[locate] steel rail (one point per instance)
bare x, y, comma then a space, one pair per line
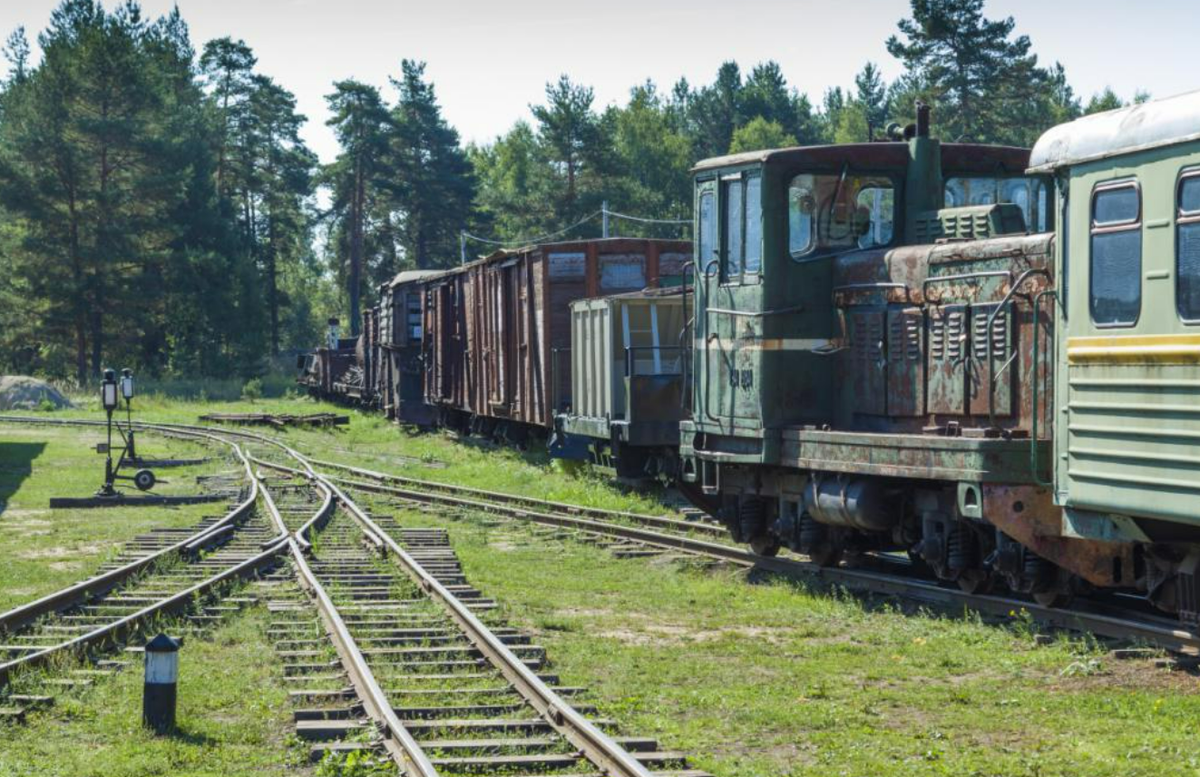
593, 744
126, 624
499, 496
397, 741
1164, 635
88, 589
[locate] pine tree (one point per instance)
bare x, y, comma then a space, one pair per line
433, 187
362, 125
975, 74
568, 127
871, 94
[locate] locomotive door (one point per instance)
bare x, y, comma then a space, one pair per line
1132, 345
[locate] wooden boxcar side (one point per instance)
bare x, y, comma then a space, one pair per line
497, 327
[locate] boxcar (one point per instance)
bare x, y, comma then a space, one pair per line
494, 325
627, 383
401, 337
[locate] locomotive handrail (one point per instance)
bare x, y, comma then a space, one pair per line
688, 322
1033, 444
991, 321
755, 313
965, 277
708, 339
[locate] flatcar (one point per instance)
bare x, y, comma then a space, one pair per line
1009, 391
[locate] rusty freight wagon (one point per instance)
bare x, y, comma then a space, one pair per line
493, 326
401, 337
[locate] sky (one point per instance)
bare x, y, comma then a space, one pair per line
489, 60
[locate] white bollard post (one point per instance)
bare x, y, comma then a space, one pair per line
162, 674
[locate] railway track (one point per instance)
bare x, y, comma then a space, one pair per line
668, 535
160, 573
435, 680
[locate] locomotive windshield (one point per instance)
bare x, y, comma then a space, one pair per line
839, 212
1029, 194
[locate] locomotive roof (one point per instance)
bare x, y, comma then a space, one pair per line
1152, 124
956, 157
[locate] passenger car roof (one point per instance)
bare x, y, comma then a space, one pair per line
1152, 124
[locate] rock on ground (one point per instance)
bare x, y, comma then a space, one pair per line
19, 392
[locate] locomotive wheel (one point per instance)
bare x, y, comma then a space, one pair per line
765, 545
975, 581
1052, 598
825, 555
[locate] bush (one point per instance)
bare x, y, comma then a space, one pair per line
252, 390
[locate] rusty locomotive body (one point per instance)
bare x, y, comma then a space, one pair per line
926, 356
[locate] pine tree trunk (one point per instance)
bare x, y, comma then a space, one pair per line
356, 247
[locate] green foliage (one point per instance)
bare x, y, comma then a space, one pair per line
154, 204
253, 390
760, 133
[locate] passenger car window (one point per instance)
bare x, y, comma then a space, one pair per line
1115, 276
839, 212
1187, 250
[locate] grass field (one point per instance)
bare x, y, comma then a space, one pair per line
752, 677
45, 550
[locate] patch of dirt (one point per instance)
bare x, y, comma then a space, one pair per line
58, 551
662, 634
20, 392
20, 513
1128, 674
65, 566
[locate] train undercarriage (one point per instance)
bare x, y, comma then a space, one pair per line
982, 537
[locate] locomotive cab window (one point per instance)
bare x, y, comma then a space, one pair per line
706, 233
1115, 270
1030, 194
741, 227
1187, 249
839, 212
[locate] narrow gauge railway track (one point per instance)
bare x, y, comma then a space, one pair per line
1104, 620
161, 573
473, 699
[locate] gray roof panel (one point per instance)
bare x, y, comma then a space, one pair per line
1152, 124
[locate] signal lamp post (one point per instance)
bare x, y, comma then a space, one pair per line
110, 393
108, 398
127, 392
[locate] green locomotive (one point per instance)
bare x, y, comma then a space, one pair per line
986, 358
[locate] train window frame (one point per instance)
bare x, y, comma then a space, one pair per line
1184, 218
735, 270
1115, 227
707, 237
813, 250
731, 224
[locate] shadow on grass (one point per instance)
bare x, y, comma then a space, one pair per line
16, 464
